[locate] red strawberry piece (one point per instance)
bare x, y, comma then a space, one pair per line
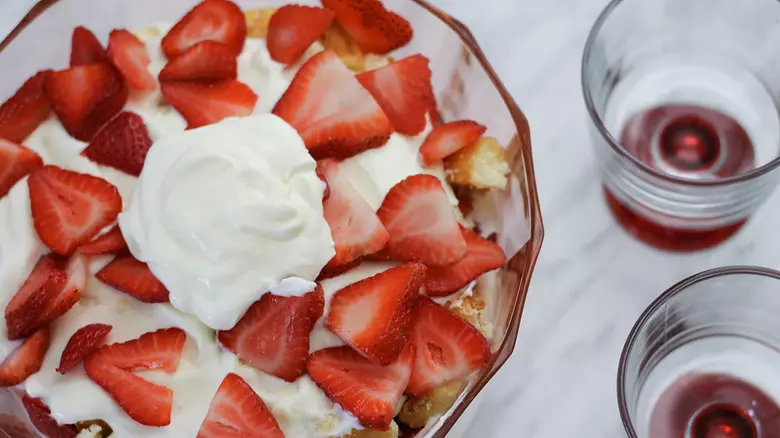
129, 56
122, 143
214, 20
40, 417
333, 113
85, 97
403, 91
449, 138
369, 391
16, 161
26, 360
70, 294
482, 256
24, 312
23, 112
421, 222
372, 27
85, 48
273, 335
448, 348
111, 242
334, 271
133, 277
204, 104
293, 28
145, 402
373, 315
207, 62
237, 411
70, 208
84, 342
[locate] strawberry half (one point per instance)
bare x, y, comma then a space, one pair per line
293, 28
23, 112
133, 277
207, 61
333, 113
128, 54
16, 162
26, 360
448, 348
40, 417
449, 138
204, 104
111, 242
85, 48
214, 20
84, 342
24, 312
330, 271
403, 91
421, 222
369, 391
145, 402
76, 270
372, 27
482, 256
70, 208
122, 143
273, 335
237, 411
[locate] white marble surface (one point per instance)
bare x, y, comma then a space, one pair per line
592, 280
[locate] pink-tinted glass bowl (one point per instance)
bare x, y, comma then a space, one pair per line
466, 87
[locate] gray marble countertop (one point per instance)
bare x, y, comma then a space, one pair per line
592, 280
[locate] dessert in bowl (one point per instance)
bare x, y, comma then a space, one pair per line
255, 221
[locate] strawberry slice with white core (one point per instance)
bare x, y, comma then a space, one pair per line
273, 335
374, 315
204, 104
207, 61
110, 367
372, 27
23, 112
448, 348
293, 28
40, 417
449, 138
237, 411
24, 312
213, 20
16, 162
421, 222
122, 143
403, 91
85, 48
129, 55
70, 294
133, 277
369, 391
70, 208
26, 360
84, 342
333, 113
110, 242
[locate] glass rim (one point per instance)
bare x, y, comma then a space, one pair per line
615, 144
661, 300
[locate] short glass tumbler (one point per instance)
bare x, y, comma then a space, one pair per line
702, 361
684, 98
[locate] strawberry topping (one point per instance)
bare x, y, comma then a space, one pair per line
449, 138
204, 104
133, 277
207, 61
26, 360
23, 112
214, 20
110, 242
16, 162
70, 294
40, 417
84, 342
330, 271
372, 27
85, 48
122, 143
293, 28
24, 312
128, 54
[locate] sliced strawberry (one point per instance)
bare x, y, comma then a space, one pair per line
369, 391
204, 104
449, 138
85, 48
23, 112
70, 208
421, 222
333, 113
448, 348
334, 271
293, 28
373, 315
207, 61
403, 91
145, 402
372, 27
214, 20
122, 143
111, 242
70, 294
129, 56
133, 277
26, 360
24, 312
273, 335
84, 342
40, 417
16, 161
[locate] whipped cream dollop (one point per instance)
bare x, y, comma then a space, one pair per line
225, 213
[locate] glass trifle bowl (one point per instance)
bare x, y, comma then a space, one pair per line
466, 87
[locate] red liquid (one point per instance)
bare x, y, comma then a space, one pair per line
687, 141
714, 406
